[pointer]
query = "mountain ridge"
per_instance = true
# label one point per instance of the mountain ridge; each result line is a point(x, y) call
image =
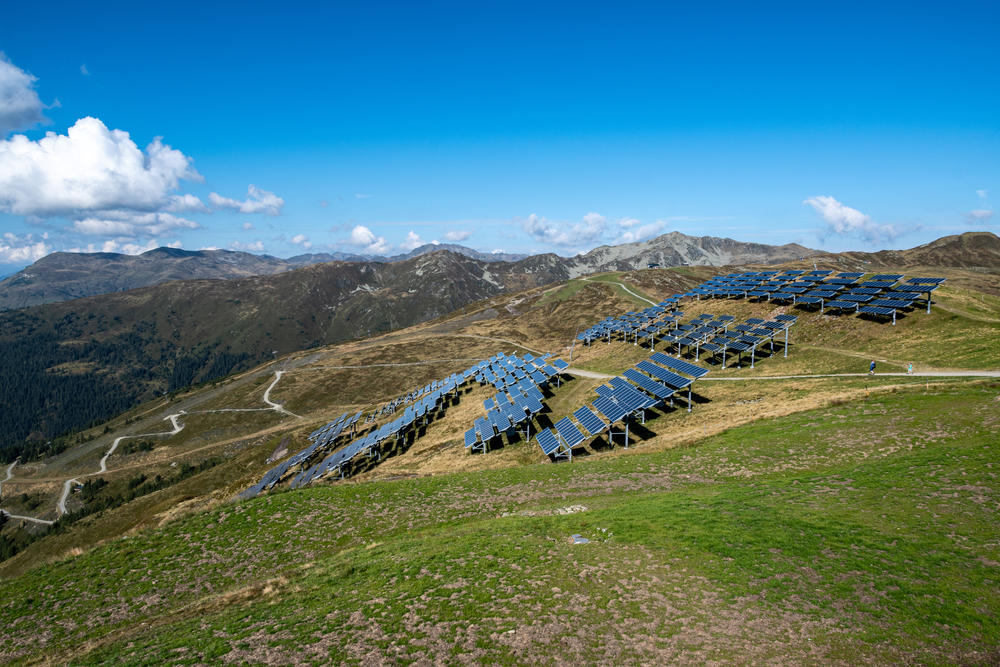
point(64, 276)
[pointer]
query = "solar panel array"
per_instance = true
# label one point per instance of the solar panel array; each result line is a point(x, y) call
point(326, 436)
point(519, 398)
point(649, 383)
point(843, 292)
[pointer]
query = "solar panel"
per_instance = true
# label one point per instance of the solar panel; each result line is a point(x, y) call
point(591, 422)
point(880, 284)
point(666, 377)
point(547, 441)
point(823, 294)
point(849, 275)
point(859, 298)
point(809, 299)
point(755, 321)
point(786, 318)
point(841, 304)
point(653, 387)
point(679, 365)
point(471, 437)
point(611, 410)
point(877, 310)
point(560, 364)
point(892, 303)
point(568, 431)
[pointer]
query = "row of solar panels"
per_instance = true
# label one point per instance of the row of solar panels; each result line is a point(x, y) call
point(736, 338)
point(518, 400)
point(649, 383)
point(368, 444)
point(503, 371)
point(327, 434)
point(629, 322)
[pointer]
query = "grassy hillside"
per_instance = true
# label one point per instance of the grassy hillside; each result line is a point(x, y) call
point(860, 529)
point(767, 514)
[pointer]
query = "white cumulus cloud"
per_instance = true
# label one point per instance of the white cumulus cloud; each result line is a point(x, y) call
point(302, 240)
point(130, 223)
point(457, 235)
point(983, 194)
point(255, 246)
point(843, 220)
point(365, 239)
point(979, 215)
point(20, 107)
point(412, 241)
point(257, 201)
point(248, 226)
point(22, 249)
point(185, 203)
point(89, 169)
point(568, 234)
point(635, 231)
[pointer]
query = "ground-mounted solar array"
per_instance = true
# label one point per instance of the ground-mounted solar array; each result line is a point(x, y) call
point(650, 383)
point(519, 396)
point(521, 381)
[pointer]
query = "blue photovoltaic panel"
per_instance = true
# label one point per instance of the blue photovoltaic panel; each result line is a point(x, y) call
point(679, 365)
point(849, 275)
point(755, 321)
point(786, 318)
point(887, 276)
point(891, 303)
point(560, 364)
point(876, 310)
point(841, 304)
point(629, 396)
point(809, 299)
point(488, 404)
point(568, 431)
point(589, 420)
point(547, 441)
point(666, 377)
point(499, 421)
point(859, 298)
point(471, 437)
point(611, 410)
point(484, 428)
point(652, 386)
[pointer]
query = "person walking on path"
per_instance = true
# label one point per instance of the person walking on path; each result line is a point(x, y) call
point(871, 368)
point(909, 368)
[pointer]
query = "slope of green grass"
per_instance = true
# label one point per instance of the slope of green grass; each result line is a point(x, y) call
point(864, 529)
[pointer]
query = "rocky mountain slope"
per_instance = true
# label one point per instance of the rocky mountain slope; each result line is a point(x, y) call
point(64, 365)
point(62, 276)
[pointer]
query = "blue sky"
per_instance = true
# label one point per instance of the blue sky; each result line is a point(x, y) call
point(371, 128)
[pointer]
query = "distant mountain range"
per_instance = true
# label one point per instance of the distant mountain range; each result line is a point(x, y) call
point(63, 276)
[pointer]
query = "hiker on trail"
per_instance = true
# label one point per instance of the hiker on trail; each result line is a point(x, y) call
point(871, 368)
point(909, 368)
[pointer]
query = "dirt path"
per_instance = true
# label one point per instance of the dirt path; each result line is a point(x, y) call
point(68, 484)
point(267, 396)
point(624, 287)
point(177, 427)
